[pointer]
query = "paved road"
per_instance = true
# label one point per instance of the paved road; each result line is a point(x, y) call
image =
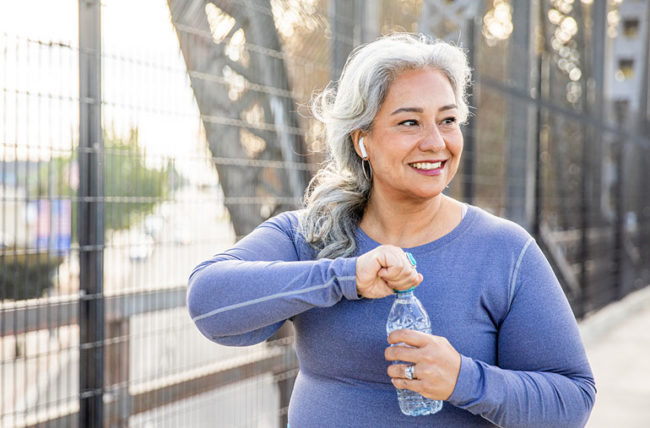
point(618, 345)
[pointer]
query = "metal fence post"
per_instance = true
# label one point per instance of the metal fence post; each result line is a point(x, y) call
point(90, 218)
point(342, 20)
point(621, 112)
point(521, 166)
point(469, 159)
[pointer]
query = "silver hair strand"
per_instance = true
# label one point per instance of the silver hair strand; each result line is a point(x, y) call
point(338, 194)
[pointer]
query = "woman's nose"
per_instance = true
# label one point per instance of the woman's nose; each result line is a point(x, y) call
point(432, 140)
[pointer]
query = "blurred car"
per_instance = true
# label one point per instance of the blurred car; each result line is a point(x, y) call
point(6, 240)
point(181, 235)
point(140, 247)
point(153, 224)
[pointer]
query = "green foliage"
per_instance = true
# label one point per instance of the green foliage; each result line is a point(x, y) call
point(133, 182)
point(26, 277)
point(131, 187)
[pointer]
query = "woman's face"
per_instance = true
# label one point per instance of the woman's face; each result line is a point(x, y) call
point(415, 142)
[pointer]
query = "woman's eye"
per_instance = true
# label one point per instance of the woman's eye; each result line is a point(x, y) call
point(409, 122)
point(449, 121)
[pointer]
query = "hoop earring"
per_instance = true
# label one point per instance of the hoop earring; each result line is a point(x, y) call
point(367, 171)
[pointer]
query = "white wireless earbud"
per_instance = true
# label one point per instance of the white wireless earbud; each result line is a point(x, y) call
point(364, 154)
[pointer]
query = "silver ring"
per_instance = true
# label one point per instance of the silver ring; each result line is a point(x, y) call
point(409, 373)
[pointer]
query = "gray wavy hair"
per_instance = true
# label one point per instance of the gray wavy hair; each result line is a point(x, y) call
point(339, 192)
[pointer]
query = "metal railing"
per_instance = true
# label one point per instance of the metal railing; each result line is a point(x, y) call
point(125, 163)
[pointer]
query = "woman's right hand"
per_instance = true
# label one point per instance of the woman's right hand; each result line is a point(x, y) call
point(384, 269)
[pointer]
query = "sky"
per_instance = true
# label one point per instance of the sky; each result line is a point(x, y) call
point(144, 82)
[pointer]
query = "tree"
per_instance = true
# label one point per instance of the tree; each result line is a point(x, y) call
point(132, 188)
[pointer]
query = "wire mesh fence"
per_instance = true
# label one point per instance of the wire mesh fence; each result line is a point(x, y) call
point(140, 138)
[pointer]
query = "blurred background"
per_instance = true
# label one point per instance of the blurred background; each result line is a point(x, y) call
point(138, 138)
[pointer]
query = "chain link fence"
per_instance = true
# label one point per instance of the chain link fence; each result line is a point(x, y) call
point(139, 138)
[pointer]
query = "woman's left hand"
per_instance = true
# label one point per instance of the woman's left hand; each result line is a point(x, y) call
point(436, 363)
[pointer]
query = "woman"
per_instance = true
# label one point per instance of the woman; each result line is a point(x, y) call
point(505, 348)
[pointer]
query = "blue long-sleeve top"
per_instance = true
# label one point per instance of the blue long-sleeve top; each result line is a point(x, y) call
point(487, 288)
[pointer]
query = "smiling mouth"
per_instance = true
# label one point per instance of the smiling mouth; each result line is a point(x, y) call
point(427, 166)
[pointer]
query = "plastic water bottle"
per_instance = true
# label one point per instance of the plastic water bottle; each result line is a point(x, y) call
point(407, 313)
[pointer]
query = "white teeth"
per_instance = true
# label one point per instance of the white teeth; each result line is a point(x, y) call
point(426, 165)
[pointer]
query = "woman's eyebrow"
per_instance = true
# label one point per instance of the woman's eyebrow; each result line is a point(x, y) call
point(420, 110)
point(448, 107)
point(408, 109)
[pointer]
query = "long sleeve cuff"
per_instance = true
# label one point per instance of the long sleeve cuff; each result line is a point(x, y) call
point(348, 281)
point(469, 384)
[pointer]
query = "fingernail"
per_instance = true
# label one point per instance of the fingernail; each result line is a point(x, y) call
point(411, 259)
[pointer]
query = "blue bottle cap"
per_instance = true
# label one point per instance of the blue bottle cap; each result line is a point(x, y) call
point(404, 291)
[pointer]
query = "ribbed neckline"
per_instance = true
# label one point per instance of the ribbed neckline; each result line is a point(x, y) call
point(468, 219)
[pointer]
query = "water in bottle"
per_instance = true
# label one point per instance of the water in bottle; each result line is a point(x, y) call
point(407, 313)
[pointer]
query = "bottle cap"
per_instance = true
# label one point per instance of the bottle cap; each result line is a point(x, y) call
point(404, 291)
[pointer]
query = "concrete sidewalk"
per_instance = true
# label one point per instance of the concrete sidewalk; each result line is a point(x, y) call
point(617, 339)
